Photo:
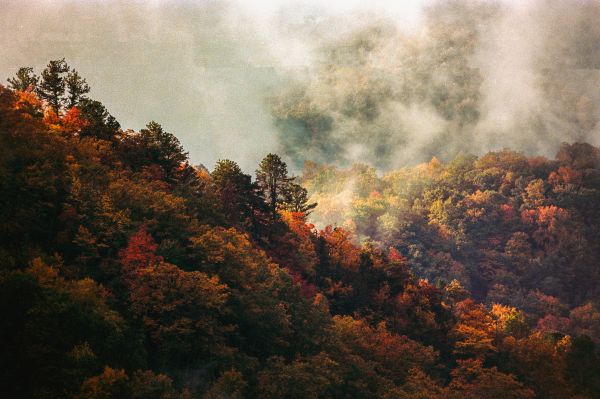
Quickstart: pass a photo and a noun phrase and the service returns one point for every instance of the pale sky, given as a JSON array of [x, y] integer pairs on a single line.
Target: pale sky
[[200, 68]]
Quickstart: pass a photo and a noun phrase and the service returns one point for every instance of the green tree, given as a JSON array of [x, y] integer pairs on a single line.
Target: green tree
[[100, 124], [239, 197], [77, 86], [164, 147], [53, 84], [273, 180], [24, 80], [296, 199]]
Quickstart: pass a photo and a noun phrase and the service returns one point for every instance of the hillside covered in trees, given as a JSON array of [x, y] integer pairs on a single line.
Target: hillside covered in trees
[[126, 272]]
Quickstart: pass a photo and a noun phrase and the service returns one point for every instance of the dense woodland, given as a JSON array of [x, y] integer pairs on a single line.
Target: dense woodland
[[126, 272]]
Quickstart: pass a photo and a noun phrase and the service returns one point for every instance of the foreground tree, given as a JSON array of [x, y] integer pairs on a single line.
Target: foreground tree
[[53, 84], [296, 200], [99, 122], [155, 150], [239, 197], [272, 178]]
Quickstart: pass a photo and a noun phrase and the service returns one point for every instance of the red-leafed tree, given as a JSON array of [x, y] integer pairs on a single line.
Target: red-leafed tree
[[140, 253]]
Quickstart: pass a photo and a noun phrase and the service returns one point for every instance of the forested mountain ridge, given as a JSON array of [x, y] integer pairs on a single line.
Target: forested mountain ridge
[[126, 272], [507, 226]]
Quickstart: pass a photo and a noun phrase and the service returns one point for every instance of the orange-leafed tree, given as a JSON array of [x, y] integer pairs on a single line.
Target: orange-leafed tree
[[470, 380], [474, 332]]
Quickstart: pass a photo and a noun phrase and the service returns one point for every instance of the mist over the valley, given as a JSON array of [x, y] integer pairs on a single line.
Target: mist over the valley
[[333, 84], [473, 77]]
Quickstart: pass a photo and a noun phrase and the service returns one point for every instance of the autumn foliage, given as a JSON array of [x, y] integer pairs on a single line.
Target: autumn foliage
[[126, 272]]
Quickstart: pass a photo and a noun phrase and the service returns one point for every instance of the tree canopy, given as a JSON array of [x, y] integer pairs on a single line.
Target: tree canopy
[[126, 272]]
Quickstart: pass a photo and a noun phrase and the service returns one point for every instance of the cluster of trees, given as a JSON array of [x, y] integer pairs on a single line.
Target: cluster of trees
[[126, 272], [60, 86], [512, 230]]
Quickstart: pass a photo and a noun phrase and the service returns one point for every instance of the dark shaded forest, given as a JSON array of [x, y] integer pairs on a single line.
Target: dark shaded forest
[[127, 272]]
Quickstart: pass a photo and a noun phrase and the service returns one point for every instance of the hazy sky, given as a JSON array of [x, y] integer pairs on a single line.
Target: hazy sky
[[200, 68], [205, 69]]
